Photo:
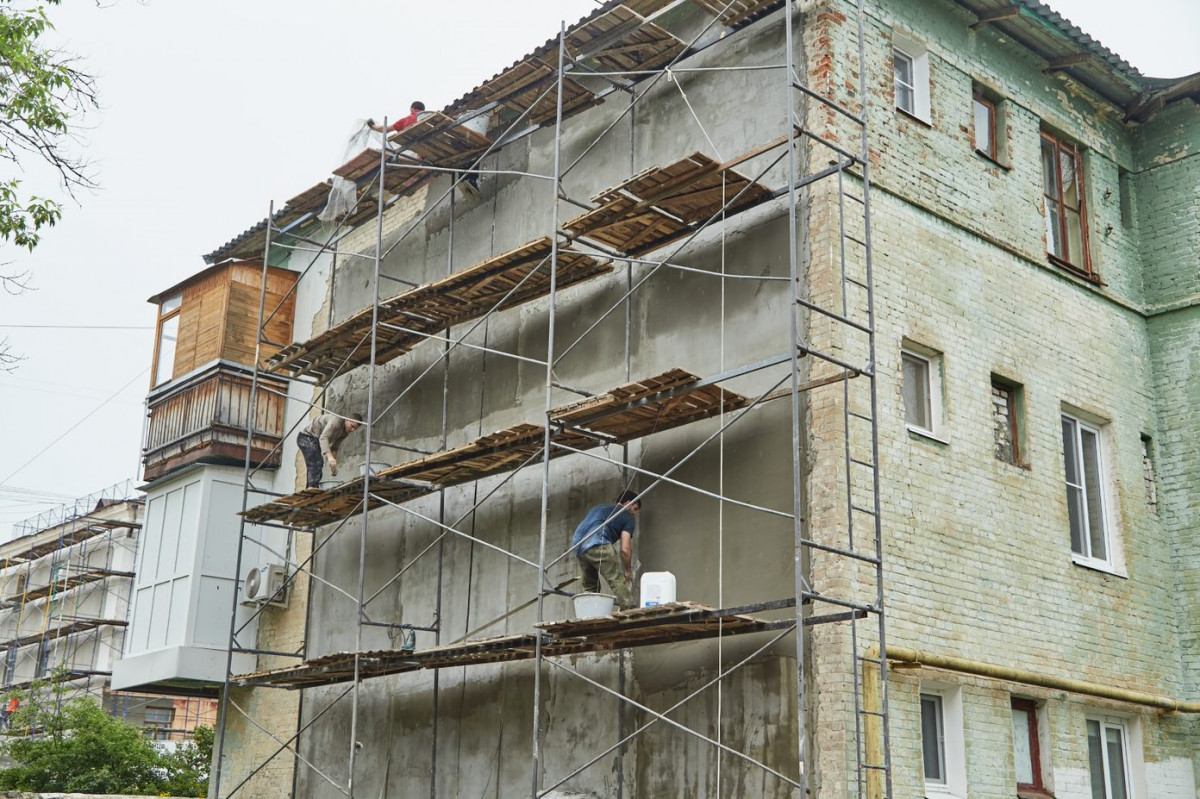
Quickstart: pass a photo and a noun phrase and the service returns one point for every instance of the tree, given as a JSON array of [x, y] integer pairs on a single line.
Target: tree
[[188, 766], [75, 746], [42, 94]]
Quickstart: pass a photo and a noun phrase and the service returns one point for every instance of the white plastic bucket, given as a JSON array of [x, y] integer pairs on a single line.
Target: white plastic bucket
[[658, 588], [478, 124], [594, 606], [376, 468]]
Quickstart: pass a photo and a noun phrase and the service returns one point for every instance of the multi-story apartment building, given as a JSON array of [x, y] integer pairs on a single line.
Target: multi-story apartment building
[[891, 312], [65, 580]]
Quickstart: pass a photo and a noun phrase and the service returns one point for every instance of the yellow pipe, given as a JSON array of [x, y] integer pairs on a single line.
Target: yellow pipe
[[982, 669]]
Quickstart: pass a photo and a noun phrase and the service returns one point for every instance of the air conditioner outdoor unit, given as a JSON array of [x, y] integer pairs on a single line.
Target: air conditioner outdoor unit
[[265, 585]]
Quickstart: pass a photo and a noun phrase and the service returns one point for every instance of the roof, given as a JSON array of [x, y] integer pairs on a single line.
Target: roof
[[1030, 23], [1069, 50]]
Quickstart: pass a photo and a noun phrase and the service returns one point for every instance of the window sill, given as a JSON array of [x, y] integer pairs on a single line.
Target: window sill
[[928, 434], [910, 115], [991, 159], [1083, 274], [941, 792], [1029, 792], [1098, 565]]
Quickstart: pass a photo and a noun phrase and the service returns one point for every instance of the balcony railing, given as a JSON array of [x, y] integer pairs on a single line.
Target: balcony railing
[[202, 418]]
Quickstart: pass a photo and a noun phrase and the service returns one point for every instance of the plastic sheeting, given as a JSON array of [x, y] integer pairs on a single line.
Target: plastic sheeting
[[344, 194]]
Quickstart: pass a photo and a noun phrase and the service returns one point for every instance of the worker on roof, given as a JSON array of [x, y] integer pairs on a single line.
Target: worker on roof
[[603, 544], [320, 441], [400, 124]]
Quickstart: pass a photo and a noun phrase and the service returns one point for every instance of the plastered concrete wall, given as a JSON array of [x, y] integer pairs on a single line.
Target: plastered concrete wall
[[484, 714]]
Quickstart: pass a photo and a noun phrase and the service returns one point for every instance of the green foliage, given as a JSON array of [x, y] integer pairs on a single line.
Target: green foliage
[[72, 745], [187, 767], [40, 92], [81, 749]]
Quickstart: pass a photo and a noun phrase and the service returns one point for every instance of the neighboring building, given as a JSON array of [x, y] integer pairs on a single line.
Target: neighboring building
[[64, 607], [987, 426]]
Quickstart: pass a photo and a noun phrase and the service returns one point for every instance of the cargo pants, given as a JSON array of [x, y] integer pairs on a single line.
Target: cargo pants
[[605, 561]]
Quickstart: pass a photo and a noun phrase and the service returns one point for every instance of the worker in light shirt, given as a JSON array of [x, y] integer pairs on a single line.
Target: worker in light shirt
[[400, 124]]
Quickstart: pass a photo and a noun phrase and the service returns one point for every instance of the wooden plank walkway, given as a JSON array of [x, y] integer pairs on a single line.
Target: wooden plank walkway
[[665, 624]]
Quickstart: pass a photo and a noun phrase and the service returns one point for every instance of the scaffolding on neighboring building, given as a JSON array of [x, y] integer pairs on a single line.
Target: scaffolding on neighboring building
[[662, 209], [61, 605]]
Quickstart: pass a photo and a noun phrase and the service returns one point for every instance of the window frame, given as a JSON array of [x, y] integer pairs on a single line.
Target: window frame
[[1038, 786], [918, 58], [165, 315], [934, 363], [953, 743], [939, 703], [1105, 723], [1060, 146], [1016, 427], [992, 153], [1087, 558]]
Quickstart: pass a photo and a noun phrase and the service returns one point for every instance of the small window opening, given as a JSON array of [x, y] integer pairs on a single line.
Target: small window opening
[[1148, 474], [1008, 405]]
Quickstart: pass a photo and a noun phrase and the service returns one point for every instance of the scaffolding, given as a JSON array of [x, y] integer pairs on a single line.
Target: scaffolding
[[60, 592], [643, 226]]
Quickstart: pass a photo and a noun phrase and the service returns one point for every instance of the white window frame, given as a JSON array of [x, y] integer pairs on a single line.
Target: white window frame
[[933, 387], [1131, 739], [918, 57], [1112, 563], [954, 752]]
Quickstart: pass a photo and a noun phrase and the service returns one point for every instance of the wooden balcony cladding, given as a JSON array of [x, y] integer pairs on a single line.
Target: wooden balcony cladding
[[218, 314], [202, 418]]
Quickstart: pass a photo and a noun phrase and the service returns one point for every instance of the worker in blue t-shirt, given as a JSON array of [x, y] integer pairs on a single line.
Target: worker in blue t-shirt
[[603, 544]]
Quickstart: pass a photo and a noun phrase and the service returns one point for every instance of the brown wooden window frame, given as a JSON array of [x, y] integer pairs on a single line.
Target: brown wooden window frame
[[992, 151], [1015, 393], [163, 318], [1037, 788], [1062, 146]]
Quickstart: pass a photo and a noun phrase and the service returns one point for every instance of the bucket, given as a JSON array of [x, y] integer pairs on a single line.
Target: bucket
[[376, 468], [658, 588], [478, 124], [594, 606]]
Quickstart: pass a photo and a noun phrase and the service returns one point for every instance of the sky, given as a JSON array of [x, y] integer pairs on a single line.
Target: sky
[[211, 110]]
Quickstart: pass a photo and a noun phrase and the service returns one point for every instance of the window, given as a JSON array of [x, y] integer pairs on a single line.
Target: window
[[933, 739], [943, 753], [1027, 756], [910, 74], [164, 347], [10, 665], [1008, 401], [1108, 758], [922, 390], [1083, 459], [985, 126], [1062, 179], [158, 722], [1125, 198]]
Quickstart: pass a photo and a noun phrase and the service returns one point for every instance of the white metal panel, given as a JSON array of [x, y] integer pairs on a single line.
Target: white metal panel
[[159, 615], [181, 609], [152, 530], [172, 523], [185, 558], [212, 623]]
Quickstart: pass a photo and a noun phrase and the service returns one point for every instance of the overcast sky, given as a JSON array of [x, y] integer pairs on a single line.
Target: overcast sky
[[213, 109]]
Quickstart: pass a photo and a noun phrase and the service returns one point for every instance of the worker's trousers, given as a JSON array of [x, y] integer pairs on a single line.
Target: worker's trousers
[[313, 460], [605, 561]]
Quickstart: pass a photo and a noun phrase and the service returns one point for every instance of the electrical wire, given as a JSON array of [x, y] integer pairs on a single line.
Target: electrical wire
[[71, 429]]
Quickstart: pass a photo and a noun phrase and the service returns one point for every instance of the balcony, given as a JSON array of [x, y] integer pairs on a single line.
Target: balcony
[[202, 418]]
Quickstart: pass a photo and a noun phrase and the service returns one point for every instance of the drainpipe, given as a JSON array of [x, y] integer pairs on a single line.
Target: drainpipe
[[981, 669]]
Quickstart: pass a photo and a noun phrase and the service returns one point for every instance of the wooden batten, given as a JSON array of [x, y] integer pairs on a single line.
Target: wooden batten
[[218, 315]]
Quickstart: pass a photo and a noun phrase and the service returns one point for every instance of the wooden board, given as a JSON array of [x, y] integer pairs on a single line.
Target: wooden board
[[737, 12], [620, 40], [663, 204], [499, 283], [684, 621], [635, 410], [522, 87]]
